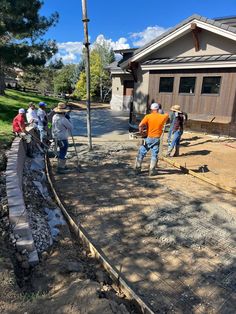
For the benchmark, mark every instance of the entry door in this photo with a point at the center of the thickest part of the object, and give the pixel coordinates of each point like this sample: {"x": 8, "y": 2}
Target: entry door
{"x": 128, "y": 88}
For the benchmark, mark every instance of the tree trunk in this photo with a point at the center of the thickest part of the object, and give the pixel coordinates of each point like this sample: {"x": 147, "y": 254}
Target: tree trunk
{"x": 2, "y": 82}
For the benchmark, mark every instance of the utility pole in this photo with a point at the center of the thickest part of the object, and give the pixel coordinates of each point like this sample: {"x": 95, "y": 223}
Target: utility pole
{"x": 86, "y": 44}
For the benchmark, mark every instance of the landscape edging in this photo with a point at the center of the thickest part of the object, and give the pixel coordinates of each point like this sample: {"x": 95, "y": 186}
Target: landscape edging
{"x": 18, "y": 215}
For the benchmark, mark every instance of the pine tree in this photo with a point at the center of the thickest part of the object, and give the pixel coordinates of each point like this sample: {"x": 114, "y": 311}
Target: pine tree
{"x": 21, "y": 31}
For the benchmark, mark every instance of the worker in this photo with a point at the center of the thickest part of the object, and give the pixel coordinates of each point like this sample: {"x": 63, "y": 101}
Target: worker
{"x": 42, "y": 121}
{"x": 61, "y": 129}
{"x": 19, "y": 129}
{"x": 154, "y": 124}
{"x": 176, "y": 130}
{"x": 31, "y": 115}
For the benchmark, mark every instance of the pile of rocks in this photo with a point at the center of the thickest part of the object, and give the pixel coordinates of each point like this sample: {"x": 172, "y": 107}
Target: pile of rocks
{"x": 40, "y": 205}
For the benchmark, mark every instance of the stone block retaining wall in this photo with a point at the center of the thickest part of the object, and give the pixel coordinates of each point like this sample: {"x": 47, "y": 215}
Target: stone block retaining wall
{"x": 17, "y": 210}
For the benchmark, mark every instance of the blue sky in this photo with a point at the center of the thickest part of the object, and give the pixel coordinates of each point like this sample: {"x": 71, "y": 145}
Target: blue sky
{"x": 124, "y": 23}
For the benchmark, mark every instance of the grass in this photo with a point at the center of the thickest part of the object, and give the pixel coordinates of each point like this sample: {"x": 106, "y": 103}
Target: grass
{"x": 9, "y": 105}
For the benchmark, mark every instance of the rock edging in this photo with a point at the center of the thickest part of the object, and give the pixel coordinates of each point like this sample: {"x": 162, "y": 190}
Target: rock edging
{"x": 18, "y": 215}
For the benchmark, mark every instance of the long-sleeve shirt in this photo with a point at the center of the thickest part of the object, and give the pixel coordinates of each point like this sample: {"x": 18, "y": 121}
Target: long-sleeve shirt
{"x": 42, "y": 117}
{"x": 61, "y": 127}
{"x": 31, "y": 116}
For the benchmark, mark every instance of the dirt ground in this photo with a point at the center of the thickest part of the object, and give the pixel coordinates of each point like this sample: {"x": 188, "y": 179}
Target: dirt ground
{"x": 172, "y": 235}
{"x": 212, "y": 156}
{"x": 175, "y": 246}
{"x": 67, "y": 279}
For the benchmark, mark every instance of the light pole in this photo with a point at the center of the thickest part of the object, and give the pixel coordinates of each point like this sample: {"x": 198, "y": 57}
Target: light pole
{"x": 86, "y": 44}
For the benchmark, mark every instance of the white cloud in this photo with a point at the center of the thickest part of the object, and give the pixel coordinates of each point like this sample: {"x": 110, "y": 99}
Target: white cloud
{"x": 121, "y": 43}
{"x": 69, "y": 51}
{"x": 151, "y": 32}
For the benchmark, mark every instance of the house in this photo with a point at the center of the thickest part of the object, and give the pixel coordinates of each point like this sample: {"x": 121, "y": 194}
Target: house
{"x": 192, "y": 65}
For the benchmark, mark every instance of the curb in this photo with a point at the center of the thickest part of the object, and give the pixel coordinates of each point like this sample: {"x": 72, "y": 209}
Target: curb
{"x": 18, "y": 215}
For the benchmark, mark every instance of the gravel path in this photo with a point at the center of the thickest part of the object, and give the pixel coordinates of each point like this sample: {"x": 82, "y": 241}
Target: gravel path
{"x": 172, "y": 236}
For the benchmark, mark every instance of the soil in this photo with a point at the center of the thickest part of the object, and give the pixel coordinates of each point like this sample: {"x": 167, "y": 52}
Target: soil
{"x": 67, "y": 279}
{"x": 172, "y": 235}
{"x": 212, "y": 156}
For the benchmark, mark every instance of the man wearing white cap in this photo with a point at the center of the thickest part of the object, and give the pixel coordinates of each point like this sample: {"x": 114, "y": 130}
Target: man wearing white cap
{"x": 154, "y": 123}
{"x": 18, "y": 127}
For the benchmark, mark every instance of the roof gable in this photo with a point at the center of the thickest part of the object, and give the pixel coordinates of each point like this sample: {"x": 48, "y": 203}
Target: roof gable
{"x": 178, "y": 31}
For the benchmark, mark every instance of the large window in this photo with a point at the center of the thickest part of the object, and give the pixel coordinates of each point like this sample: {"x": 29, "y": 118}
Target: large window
{"x": 187, "y": 85}
{"x": 211, "y": 85}
{"x": 166, "y": 84}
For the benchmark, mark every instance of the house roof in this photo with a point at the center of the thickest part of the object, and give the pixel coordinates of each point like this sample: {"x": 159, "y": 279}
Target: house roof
{"x": 206, "y": 21}
{"x": 207, "y": 58}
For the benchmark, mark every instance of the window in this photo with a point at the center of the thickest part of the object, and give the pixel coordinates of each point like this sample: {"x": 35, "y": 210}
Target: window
{"x": 211, "y": 85}
{"x": 166, "y": 84}
{"x": 187, "y": 85}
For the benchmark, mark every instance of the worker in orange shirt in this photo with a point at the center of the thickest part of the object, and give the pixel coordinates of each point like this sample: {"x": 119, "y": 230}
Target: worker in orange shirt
{"x": 154, "y": 124}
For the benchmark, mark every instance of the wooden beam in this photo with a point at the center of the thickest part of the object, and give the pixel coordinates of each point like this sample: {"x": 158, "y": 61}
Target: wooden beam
{"x": 195, "y": 31}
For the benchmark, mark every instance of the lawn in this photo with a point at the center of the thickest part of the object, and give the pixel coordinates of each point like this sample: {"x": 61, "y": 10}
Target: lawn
{"x": 9, "y": 105}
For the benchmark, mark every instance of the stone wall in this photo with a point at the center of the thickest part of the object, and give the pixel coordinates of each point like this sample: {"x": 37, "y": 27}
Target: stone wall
{"x": 17, "y": 211}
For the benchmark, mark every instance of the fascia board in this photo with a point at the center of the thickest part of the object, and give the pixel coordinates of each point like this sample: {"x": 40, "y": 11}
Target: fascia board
{"x": 189, "y": 66}
{"x": 217, "y": 30}
{"x": 120, "y": 71}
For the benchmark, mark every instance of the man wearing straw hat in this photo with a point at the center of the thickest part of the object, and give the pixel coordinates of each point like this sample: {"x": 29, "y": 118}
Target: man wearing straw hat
{"x": 61, "y": 129}
{"x": 177, "y": 118}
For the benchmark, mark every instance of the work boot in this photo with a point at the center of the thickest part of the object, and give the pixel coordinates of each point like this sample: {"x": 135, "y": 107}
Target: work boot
{"x": 61, "y": 166}
{"x": 152, "y": 168}
{"x": 138, "y": 165}
{"x": 176, "y": 154}
{"x": 168, "y": 152}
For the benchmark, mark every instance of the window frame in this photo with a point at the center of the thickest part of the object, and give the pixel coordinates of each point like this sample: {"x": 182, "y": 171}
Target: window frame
{"x": 167, "y": 77}
{"x": 188, "y": 77}
{"x": 211, "y": 76}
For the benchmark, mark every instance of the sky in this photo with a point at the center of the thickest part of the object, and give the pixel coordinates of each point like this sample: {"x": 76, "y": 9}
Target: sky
{"x": 124, "y": 23}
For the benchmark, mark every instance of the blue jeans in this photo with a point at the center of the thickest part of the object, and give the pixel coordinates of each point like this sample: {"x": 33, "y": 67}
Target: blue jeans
{"x": 42, "y": 133}
{"x": 150, "y": 143}
{"x": 63, "y": 146}
{"x": 176, "y": 136}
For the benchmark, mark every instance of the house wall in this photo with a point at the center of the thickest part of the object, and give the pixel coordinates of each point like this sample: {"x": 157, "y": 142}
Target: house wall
{"x": 200, "y": 107}
{"x": 210, "y": 44}
{"x": 141, "y": 91}
{"x": 118, "y": 101}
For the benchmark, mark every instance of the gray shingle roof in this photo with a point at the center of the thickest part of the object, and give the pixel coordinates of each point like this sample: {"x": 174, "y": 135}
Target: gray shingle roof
{"x": 209, "y": 58}
{"x": 189, "y": 19}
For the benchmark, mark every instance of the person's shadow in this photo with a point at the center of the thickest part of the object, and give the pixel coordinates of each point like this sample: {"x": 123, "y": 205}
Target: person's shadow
{"x": 202, "y": 152}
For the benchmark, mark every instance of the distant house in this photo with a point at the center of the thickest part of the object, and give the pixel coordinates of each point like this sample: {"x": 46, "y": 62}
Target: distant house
{"x": 13, "y": 76}
{"x": 192, "y": 65}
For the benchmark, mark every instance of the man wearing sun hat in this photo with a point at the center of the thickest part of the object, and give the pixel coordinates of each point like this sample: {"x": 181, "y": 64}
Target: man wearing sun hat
{"x": 61, "y": 129}
{"x": 154, "y": 124}
{"x": 177, "y": 118}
